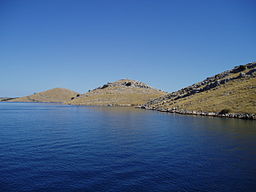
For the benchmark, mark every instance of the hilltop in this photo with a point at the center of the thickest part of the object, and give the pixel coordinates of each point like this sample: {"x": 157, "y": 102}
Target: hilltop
{"x": 231, "y": 94}
{"x": 51, "y": 95}
{"x": 124, "y": 92}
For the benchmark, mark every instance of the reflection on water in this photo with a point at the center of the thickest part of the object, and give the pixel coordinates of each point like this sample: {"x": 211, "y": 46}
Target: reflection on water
{"x": 49, "y": 147}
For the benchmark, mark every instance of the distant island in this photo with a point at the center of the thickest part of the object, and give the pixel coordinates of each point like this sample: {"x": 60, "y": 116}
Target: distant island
{"x": 6, "y": 98}
{"x": 228, "y": 94}
{"x": 56, "y": 95}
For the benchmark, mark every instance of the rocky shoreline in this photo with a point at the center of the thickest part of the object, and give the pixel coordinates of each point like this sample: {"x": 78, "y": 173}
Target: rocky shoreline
{"x": 201, "y": 113}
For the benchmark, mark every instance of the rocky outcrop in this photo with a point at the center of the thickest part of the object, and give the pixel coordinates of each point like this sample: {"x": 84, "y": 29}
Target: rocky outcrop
{"x": 125, "y": 83}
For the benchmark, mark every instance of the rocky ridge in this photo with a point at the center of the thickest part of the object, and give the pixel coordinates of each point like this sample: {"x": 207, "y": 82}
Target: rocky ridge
{"x": 174, "y": 102}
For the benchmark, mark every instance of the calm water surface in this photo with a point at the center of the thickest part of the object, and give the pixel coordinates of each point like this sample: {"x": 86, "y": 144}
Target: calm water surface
{"x": 49, "y": 147}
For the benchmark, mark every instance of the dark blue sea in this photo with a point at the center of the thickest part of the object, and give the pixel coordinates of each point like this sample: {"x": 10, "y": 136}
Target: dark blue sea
{"x": 60, "y": 148}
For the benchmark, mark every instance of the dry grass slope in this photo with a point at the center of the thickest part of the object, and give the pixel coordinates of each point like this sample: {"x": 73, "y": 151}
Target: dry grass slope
{"x": 51, "y": 95}
{"x": 238, "y": 96}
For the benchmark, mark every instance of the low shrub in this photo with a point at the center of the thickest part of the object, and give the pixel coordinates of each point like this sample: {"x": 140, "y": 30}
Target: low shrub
{"x": 224, "y": 111}
{"x": 238, "y": 69}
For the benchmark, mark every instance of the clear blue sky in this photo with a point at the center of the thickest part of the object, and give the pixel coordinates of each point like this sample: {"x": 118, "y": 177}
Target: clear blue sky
{"x": 80, "y": 45}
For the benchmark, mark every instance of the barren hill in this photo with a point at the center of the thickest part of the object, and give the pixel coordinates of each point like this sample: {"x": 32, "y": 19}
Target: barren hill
{"x": 51, "y": 95}
{"x": 124, "y": 92}
{"x": 233, "y": 91}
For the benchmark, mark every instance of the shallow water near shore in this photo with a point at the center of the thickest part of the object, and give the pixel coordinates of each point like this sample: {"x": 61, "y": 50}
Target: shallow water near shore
{"x": 51, "y": 147}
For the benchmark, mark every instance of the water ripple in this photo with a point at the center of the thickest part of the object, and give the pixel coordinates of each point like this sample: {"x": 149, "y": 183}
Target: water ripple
{"x": 49, "y": 147}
